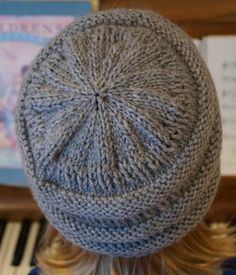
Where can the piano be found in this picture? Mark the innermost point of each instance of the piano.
(21, 227)
(22, 224)
(18, 243)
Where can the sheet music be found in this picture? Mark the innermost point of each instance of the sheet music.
(197, 42)
(220, 55)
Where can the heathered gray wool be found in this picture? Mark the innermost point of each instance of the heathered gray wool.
(119, 129)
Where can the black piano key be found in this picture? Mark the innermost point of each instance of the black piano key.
(38, 238)
(21, 243)
(3, 224)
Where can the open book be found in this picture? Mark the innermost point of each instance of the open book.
(219, 53)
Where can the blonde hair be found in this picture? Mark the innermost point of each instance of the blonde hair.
(201, 251)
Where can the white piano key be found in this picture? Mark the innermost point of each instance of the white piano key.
(7, 268)
(25, 267)
(6, 237)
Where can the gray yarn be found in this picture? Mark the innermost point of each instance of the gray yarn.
(119, 129)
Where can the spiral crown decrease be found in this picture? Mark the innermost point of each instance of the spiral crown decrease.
(119, 129)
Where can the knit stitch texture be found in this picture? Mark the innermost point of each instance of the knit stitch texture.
(119, 130)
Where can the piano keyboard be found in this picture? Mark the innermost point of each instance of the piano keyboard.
(18, 243)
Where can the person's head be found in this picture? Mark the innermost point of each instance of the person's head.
(119, 128)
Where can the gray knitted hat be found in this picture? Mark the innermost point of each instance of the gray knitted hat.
(119, 129)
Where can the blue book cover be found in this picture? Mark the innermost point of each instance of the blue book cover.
(27, 26)
(70, 8)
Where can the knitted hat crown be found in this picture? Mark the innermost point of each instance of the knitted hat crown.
(119, 129)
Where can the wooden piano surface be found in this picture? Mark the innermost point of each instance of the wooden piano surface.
(17, 203)
(196, 17)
